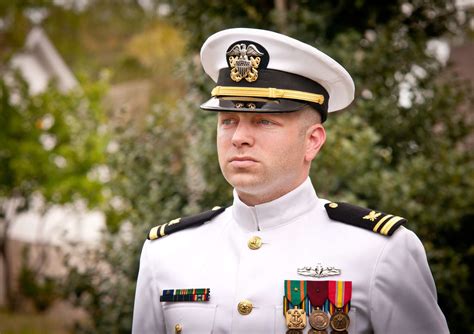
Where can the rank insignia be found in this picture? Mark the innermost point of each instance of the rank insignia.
(185, 295)
(244, 59)
(182, 223)
(378, 222)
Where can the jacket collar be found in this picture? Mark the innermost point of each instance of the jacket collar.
(278, 212)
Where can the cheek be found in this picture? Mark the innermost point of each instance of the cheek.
(222, 145)
(291, 154)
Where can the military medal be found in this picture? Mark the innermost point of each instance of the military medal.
(340, 294)
(294, 306)
(317, 294)
(340, 321)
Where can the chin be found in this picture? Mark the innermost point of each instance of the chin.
(245, 182)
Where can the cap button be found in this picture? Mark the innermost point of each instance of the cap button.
(255, 243)
(245, 307)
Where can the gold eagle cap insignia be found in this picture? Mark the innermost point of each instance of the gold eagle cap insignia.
(244, 61)
(372, 216)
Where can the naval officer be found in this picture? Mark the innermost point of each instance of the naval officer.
(280, 259)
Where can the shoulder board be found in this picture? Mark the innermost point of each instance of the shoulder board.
(181, 223)
(376, 221)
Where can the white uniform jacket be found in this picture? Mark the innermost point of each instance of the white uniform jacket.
(393, 289)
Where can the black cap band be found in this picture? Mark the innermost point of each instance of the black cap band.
(280, 80)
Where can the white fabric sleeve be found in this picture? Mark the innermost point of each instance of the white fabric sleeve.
(403, 293)
(147, 312)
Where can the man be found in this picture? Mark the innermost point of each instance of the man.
(280, 259)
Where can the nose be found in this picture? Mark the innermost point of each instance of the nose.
(243, 135)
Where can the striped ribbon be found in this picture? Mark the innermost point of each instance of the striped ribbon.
(185, 295)
(339, 294)
(304, 305)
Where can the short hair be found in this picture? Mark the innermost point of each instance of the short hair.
(309, 117)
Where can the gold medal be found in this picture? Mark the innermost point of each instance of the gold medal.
(340, 321)
(295, 318)
(319, 320)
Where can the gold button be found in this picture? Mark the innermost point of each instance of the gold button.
(245, 307)
(255, 242)
(333, 205)
(178, 328)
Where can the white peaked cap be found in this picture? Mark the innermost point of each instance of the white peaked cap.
(285, 54)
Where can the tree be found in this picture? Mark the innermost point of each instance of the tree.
(51, 145)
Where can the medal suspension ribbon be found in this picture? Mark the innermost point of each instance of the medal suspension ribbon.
(339, 295)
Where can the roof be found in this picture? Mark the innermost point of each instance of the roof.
(39, 63)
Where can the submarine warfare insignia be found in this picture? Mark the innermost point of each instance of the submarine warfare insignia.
(244, 61)
(319, 271)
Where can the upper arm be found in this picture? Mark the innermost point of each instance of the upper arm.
(147, 312)
(403, 293)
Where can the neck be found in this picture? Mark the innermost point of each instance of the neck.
(252, 199)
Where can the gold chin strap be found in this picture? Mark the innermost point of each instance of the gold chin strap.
(272, 93)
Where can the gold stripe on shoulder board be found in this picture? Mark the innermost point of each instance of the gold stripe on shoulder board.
(174, 221)
(162, 229)
(153, 233)
(381, 221)
(390, 224)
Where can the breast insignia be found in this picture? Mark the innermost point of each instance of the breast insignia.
(179, 224)
(376, 221)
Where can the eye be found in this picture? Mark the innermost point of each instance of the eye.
(265, 122)
(228, 121)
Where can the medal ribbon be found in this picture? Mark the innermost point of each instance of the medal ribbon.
(295, 295)
(185, 295)
(317, 292)
(295, 291)
(340, 293)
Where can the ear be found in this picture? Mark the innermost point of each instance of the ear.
(315, 138)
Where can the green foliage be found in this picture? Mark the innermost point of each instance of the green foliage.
(42, 291)
(51, 143)
(104, 286)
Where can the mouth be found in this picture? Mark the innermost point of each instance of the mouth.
(242, 159)
(242, 162)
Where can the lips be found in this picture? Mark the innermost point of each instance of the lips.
(242, 162)
(242, 159)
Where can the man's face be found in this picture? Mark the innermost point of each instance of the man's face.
(263, 156)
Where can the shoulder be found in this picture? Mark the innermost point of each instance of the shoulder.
(182, 223)
(372, 220)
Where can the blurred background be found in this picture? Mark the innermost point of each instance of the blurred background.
(102, 138)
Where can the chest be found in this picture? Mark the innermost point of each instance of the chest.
(240, 266)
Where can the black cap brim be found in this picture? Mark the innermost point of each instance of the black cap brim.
(252, 105)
